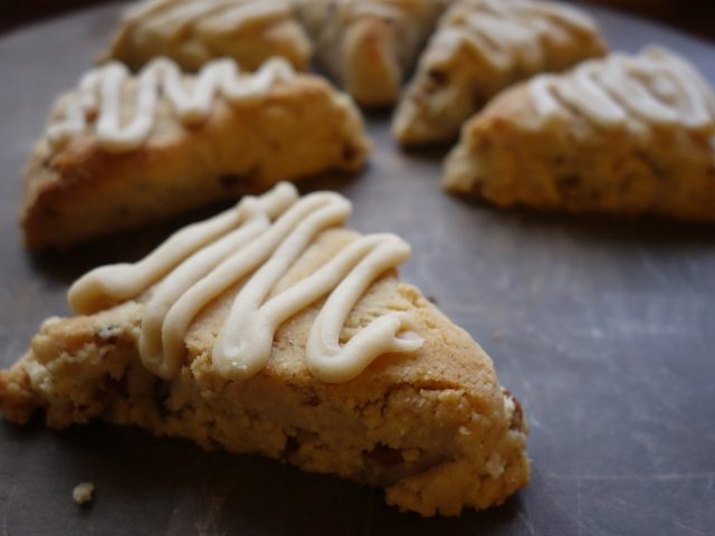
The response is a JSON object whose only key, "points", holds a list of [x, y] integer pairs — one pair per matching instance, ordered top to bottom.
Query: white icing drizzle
{"points": [[176, 16], [507, 32], [656, 87], [102, 93], [322, 210], [257, 243], [363, 262], [108, 285], [187, 290]]}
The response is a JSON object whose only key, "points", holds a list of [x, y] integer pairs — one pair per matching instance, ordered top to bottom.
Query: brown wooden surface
{"points": [[605, 330]]}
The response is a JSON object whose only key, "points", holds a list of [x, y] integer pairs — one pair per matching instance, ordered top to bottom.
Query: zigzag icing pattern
{"points": [[176, 17], [506, 33], [655, 87], [103, 104], [258, 241]]}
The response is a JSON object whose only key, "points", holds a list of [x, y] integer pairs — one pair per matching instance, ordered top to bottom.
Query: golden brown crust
{"points": [[158, 28], [369, 46], [458, 75], [301, 128], [507, 157], [18, 401], [434, 428]]}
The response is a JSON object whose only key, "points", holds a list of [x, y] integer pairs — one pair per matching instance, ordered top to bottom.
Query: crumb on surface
{"points": [[82, 493]]}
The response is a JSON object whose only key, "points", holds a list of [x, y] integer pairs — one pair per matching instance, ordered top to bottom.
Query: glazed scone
{"points": [[194, 32], [368, 46], [482, 47], [626, 135], [133, 149], [273, 329]]}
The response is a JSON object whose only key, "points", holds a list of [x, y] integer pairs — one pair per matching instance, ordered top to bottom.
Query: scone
{"points": [[194, 32], [368, 46], [480, 48], [626, 135], [132, 149], [273, 329]]}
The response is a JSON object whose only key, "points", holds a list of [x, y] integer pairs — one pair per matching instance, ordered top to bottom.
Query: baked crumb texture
{"points": [[194, 32], [368, 46], [480, 48], [298, 129], [510, 156], [434, 427], [83, 493]]}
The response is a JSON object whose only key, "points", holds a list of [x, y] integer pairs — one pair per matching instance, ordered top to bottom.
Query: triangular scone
{"points": [[194, 32], [368, 46], [480, 48], [625, 135], [129, 150], [273, 329]]}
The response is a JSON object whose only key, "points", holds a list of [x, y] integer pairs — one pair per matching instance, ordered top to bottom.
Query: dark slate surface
{"points": [[604, 329]]}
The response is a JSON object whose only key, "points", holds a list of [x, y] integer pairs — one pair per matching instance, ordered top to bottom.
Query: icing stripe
{"points": [[173, 16], [508, 34], [655, 86], [103, 92], [257, 243], [368, 258], [240, 265], [106, 286], [244, 345], [160, 352], [235, 353]]}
